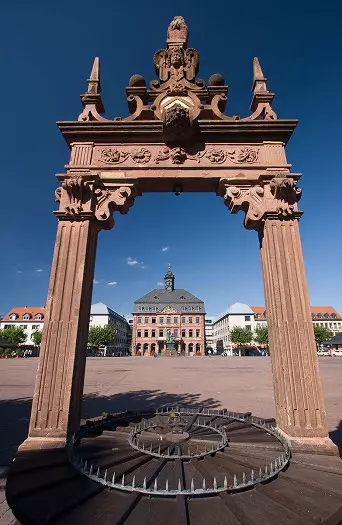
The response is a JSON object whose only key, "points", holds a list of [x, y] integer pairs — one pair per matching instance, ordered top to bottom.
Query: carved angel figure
{"points": [[177, 30]]}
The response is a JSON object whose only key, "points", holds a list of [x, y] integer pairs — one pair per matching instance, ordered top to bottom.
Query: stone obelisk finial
{"points": [[259, 81], [94, 85], [92, 101]]}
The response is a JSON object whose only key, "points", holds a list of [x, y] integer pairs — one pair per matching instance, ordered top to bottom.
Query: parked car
{"points": [[337, 352]]}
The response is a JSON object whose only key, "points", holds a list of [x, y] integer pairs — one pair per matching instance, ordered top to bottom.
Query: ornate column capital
{"points": [[85, 197], [276, 198]]}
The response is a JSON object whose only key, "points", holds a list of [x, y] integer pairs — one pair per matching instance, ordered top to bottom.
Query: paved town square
{"points": [[239, 384]]}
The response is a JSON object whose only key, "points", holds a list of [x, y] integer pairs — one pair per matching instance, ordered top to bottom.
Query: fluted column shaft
{"points": [[60, 376], [297, 385]]}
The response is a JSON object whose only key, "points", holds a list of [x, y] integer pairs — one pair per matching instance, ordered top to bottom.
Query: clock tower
{"points": [[169, 280]]}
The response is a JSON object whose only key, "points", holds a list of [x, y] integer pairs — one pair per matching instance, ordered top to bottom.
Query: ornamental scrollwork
{"points": [[113, 156], [216, 156], [239, 156], [76, 188], [286, 193], [111, 200]]}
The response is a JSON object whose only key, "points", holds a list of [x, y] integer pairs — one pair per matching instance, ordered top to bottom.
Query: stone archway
{"points": [[186, 143]]}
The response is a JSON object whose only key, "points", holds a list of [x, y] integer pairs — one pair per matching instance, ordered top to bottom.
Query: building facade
{"points": [[238, 314], [102, 315], [325, 316], [252, 317], [30, 318], [168, 319], [209, 333]]}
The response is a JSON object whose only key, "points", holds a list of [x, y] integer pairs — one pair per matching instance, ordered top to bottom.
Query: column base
{"points": [[41, 443], [311, 445]]}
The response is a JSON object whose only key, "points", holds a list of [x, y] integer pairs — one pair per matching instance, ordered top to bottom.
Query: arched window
{"points": [[13, 316], [320, 316], [327, 316], [334, 316], [27, 317], [39, 317]]}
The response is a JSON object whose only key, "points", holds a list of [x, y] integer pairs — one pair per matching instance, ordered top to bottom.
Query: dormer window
{"points": [[156, 297], [182, 297], [313, 316], [320, 316], [327, 316], [334, 316], [13, 317], [27, 317], [39, 317]]}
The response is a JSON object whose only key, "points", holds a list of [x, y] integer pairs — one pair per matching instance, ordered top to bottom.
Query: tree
{"points": [[13, 334], [321, 334], [101, 335], [261, 335], [241, 336], [37, 337]]}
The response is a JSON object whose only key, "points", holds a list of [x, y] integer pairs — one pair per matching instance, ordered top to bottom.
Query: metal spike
{"points": [[143, 447], [151, 447], [159, 450], [168, 451], [189, 454], [85, 465], [271, 469], [266, 471], [98, 472], [260, 473], [105, 475], [252, 475], [113, 478], [243, 478], [123, 479], [235, 481], [133, 482], [225, 483], [144, 484], [156, 484], [203, 484], [215, 484], [167, 485], [179, 485]]}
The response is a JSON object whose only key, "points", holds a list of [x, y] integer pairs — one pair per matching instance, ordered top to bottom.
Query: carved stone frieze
{"points": [[141, 155], [177, 155], [243, 155], [113, 156], [216, 156], [277, 199], [110, 200]]}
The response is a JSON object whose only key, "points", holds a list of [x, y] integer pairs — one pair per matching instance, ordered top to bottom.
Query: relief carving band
{"points": [[177, 155], [248, 155], [113, 156], [140, 156], [216, 156], [76, 188]]}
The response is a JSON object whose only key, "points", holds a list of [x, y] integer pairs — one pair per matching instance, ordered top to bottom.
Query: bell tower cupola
{"points": [[169, 280]]}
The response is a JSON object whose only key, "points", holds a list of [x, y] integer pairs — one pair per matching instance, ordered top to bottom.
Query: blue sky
{"points": [[46, 51]]}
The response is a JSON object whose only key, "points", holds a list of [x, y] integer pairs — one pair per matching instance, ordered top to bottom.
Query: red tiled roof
{"points": [[33, 310], [315, 310]]}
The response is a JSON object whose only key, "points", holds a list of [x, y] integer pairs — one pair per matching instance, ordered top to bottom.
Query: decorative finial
{"points": [[177, 32], [259, 81], [94, 85], [169, 266]]}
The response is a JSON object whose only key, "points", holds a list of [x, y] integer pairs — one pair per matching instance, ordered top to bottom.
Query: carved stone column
{"points": [[84, 209], [271, 209]]}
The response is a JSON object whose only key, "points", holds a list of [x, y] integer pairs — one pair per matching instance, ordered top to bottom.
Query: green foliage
{"points": [[13, 334], [321, 334], [101, 335], [261, 335], [241, 336], [37, 337]]}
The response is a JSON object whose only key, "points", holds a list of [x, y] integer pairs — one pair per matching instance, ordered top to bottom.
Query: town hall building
{"points": [[168, 321]]}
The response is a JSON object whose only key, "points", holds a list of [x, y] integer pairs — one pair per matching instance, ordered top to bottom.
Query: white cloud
{"points": [[164, 248], [131, 261], [134, 262], [39, 270], [18, 271], [95, 281], [112, 283], [160, 284]]}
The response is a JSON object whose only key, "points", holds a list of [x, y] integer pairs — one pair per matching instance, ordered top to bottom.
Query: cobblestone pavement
{"points": [[112, 384]]}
